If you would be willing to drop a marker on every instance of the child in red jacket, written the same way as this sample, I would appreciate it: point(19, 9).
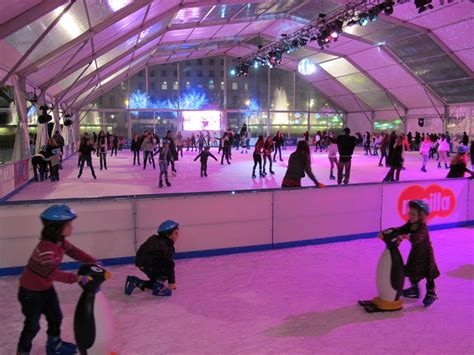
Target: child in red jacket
point(37, 294)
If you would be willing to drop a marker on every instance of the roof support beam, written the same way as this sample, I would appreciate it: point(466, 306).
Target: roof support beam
point(116, 43)
point(35, 44)
point(434, 38)
point(30, 15)
point(117, 16)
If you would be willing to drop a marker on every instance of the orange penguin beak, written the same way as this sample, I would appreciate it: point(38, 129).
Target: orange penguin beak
point(108, 275)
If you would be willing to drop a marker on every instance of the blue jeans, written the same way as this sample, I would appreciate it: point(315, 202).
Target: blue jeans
point(33, 305)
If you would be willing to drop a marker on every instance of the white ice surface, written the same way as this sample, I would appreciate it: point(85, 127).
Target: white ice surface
point(122, 178)
point(289, 301)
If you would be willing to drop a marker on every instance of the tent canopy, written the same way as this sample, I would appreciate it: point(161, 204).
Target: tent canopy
point(75, 51)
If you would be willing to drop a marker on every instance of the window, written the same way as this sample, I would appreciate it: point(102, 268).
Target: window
point(222, 73)
point(187, 74)
point(112, 100)
point(222, 85)
point(175, 85)
point(152, 86)
point(164, 86)
point(175, 73)
point(164, 73)
point(211, 85)
point(141, 87)
point(140, 74)
point(211, 73)
point(152, 74)
point(199, 73)
point(235, 86)
point(246, 86)
point(188, 85)
point(199, 62)
point(222, 61)
point(211, 61)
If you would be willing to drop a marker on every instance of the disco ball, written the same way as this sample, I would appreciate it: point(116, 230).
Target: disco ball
point(306, 67)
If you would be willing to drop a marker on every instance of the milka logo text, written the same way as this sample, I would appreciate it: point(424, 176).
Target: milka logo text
point(441, 201)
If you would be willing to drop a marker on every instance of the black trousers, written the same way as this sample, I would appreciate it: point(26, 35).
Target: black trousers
point(145, 158)
point(33, 305)
point(277, 149)
point(39, 165)
point(225, 154)
point(114, 149)
point(269, 157)
point(153, 275)
point(257, 159)
point(103, 160)
point(136, 156)
point(383, 152)
point(87, 159)
point(203, 167)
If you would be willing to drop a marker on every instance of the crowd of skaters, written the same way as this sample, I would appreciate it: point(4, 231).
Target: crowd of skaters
point(150, 150)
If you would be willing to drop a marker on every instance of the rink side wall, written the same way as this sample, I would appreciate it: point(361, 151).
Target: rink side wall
point(112, 228)
point(15, 176)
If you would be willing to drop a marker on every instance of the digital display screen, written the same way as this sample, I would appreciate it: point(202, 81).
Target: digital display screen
point(201, 120)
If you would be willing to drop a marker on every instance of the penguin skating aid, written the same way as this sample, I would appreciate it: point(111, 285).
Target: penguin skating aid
point(93, 318)
point(389, 277)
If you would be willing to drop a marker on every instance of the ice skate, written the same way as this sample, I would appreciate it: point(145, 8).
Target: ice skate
point(412, 292)
point(131, 283)
point(168, 183)
point(57, 346)
point(424, 169)
point(430, 298)
point(160, 290)
point(161, 184)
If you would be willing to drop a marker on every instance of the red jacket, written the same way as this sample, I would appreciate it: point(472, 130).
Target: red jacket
point(44, 262)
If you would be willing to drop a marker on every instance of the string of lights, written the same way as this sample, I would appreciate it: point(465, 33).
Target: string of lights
point(325, 30)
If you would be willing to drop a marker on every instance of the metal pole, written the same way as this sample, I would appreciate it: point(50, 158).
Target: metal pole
point(36, 43)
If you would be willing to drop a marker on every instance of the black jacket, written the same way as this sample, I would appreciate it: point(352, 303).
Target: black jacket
point(346, 145)
point(136, 145)
point(157, 253)
point(457, 170)
point(204, 155)
point(86, 150)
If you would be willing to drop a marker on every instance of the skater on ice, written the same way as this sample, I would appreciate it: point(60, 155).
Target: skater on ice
point(204, 155)
point(155, 259)
point(421, 262)
point(37, 295)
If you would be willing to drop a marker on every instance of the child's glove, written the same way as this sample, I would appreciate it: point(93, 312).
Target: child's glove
point(83, 280)
point(172, 286)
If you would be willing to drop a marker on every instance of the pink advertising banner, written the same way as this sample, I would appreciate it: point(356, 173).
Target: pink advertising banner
point(447, 200)
point(21, 172)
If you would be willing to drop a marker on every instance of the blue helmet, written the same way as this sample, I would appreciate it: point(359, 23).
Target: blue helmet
point(462, 149)
point(419, 205)
point(58, 213)
point(167, 226)
point(55, 151)
point(43, 147)
point(166, 141)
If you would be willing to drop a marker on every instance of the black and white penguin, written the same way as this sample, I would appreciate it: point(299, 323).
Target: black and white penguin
point(93, 322)
point(390, 276)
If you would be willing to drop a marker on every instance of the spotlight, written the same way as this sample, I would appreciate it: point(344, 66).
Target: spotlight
point(256, 63)
point(363, 20)
point(423, 5)
point(233, 72)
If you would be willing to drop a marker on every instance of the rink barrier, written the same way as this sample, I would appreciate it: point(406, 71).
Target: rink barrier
point(11, 190)
point(221, 223)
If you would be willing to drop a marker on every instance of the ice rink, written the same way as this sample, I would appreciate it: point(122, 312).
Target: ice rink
point(122, 178)
point(288, 301)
